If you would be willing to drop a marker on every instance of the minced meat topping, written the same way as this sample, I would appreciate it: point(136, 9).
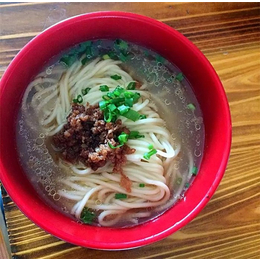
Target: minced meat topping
point(85, 138)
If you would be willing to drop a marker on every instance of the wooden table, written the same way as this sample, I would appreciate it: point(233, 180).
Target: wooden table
point(229, 35)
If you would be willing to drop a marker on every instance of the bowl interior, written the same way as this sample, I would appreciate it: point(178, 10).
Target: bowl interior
point(168, 43)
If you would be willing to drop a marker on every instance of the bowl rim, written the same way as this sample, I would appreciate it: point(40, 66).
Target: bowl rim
point(158, 234)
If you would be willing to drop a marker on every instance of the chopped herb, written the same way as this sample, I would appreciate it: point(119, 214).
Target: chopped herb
point(103, 104)
point(191, 106)
point(123, 57)
point(114, 147)
point(103, 88)
point(187, 185)
point(131, 85)
point(122, 45)
point(120, 196)
point(87, 216)
point(85, 91)
point(122, 138)
point(150, 146)
point(135, 135)
point(115, 77)
point(148, 155)
point(129, 102)
point(123, 109)
point(105, 57)
point(132, 115)
point(194, 170)
point(111, 107)
point(68, 59)
point(79, 99)
point(141, 185)
point(142, 117)
point(118, 91)
point(179, 77)
point(160, 59)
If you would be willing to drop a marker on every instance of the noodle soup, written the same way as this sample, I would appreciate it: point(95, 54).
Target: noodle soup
point(110, 133)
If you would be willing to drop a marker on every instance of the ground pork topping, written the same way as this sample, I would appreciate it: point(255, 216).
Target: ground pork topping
point(86, 137)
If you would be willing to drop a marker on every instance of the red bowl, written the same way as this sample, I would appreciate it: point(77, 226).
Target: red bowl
point(168, 43)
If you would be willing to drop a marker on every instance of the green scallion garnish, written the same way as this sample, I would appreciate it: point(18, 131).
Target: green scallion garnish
point(123, 109)
point(148, 155)
point(187, 185)
point(141, 185)
point(191, 106)
point(135, 135)
point(142, 117)
point(122, 138)
point(120, 196)
point(131, 85)
point(85, 91)
point(115, 77)
point(103, 88)
point(150, 146)
point(87, 216)
point(179, 77)
point(132, 115)
point(105, 57)
point(194, 170)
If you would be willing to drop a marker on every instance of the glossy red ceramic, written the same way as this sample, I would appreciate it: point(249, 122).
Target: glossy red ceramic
point(168, 43)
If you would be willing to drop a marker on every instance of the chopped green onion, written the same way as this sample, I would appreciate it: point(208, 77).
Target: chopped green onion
point(136, 96)
point(191, 106)
point(114, 147)
point(103, 104)
point(141, 185)
point(122, 138)
point(148, 155)
point(179, 77)
point(150, 146)
point(131, 85)
point(142, 117)
point(115, 77)
point(80, 99)
point(118, 91)
point(123, 109)
point(75, 100)
point(108, 116)
point(122, 45)
point(85, 91)
point(135, 135)
point(103, 88)
point(116, 101)
point(105, 57)
point(111, 107)
point(87, 216)
point(187, 185)
point(105, 97)
point(160, 59)
point(68, 59)
point(129, 102)
point(128, 94)
point(123, 57)
point(120, 196)
point(194, 170)
point(132, 115)
point(112, 55)
point(85, 60)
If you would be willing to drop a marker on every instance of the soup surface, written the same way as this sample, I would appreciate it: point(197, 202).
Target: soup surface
point(150, 120)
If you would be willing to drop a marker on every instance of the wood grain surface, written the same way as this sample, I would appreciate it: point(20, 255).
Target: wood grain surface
point(229, 35)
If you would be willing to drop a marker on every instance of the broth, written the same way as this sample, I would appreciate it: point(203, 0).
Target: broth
point(173, 100)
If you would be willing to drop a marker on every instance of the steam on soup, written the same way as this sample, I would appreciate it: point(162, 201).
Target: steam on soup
point(110, 133)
